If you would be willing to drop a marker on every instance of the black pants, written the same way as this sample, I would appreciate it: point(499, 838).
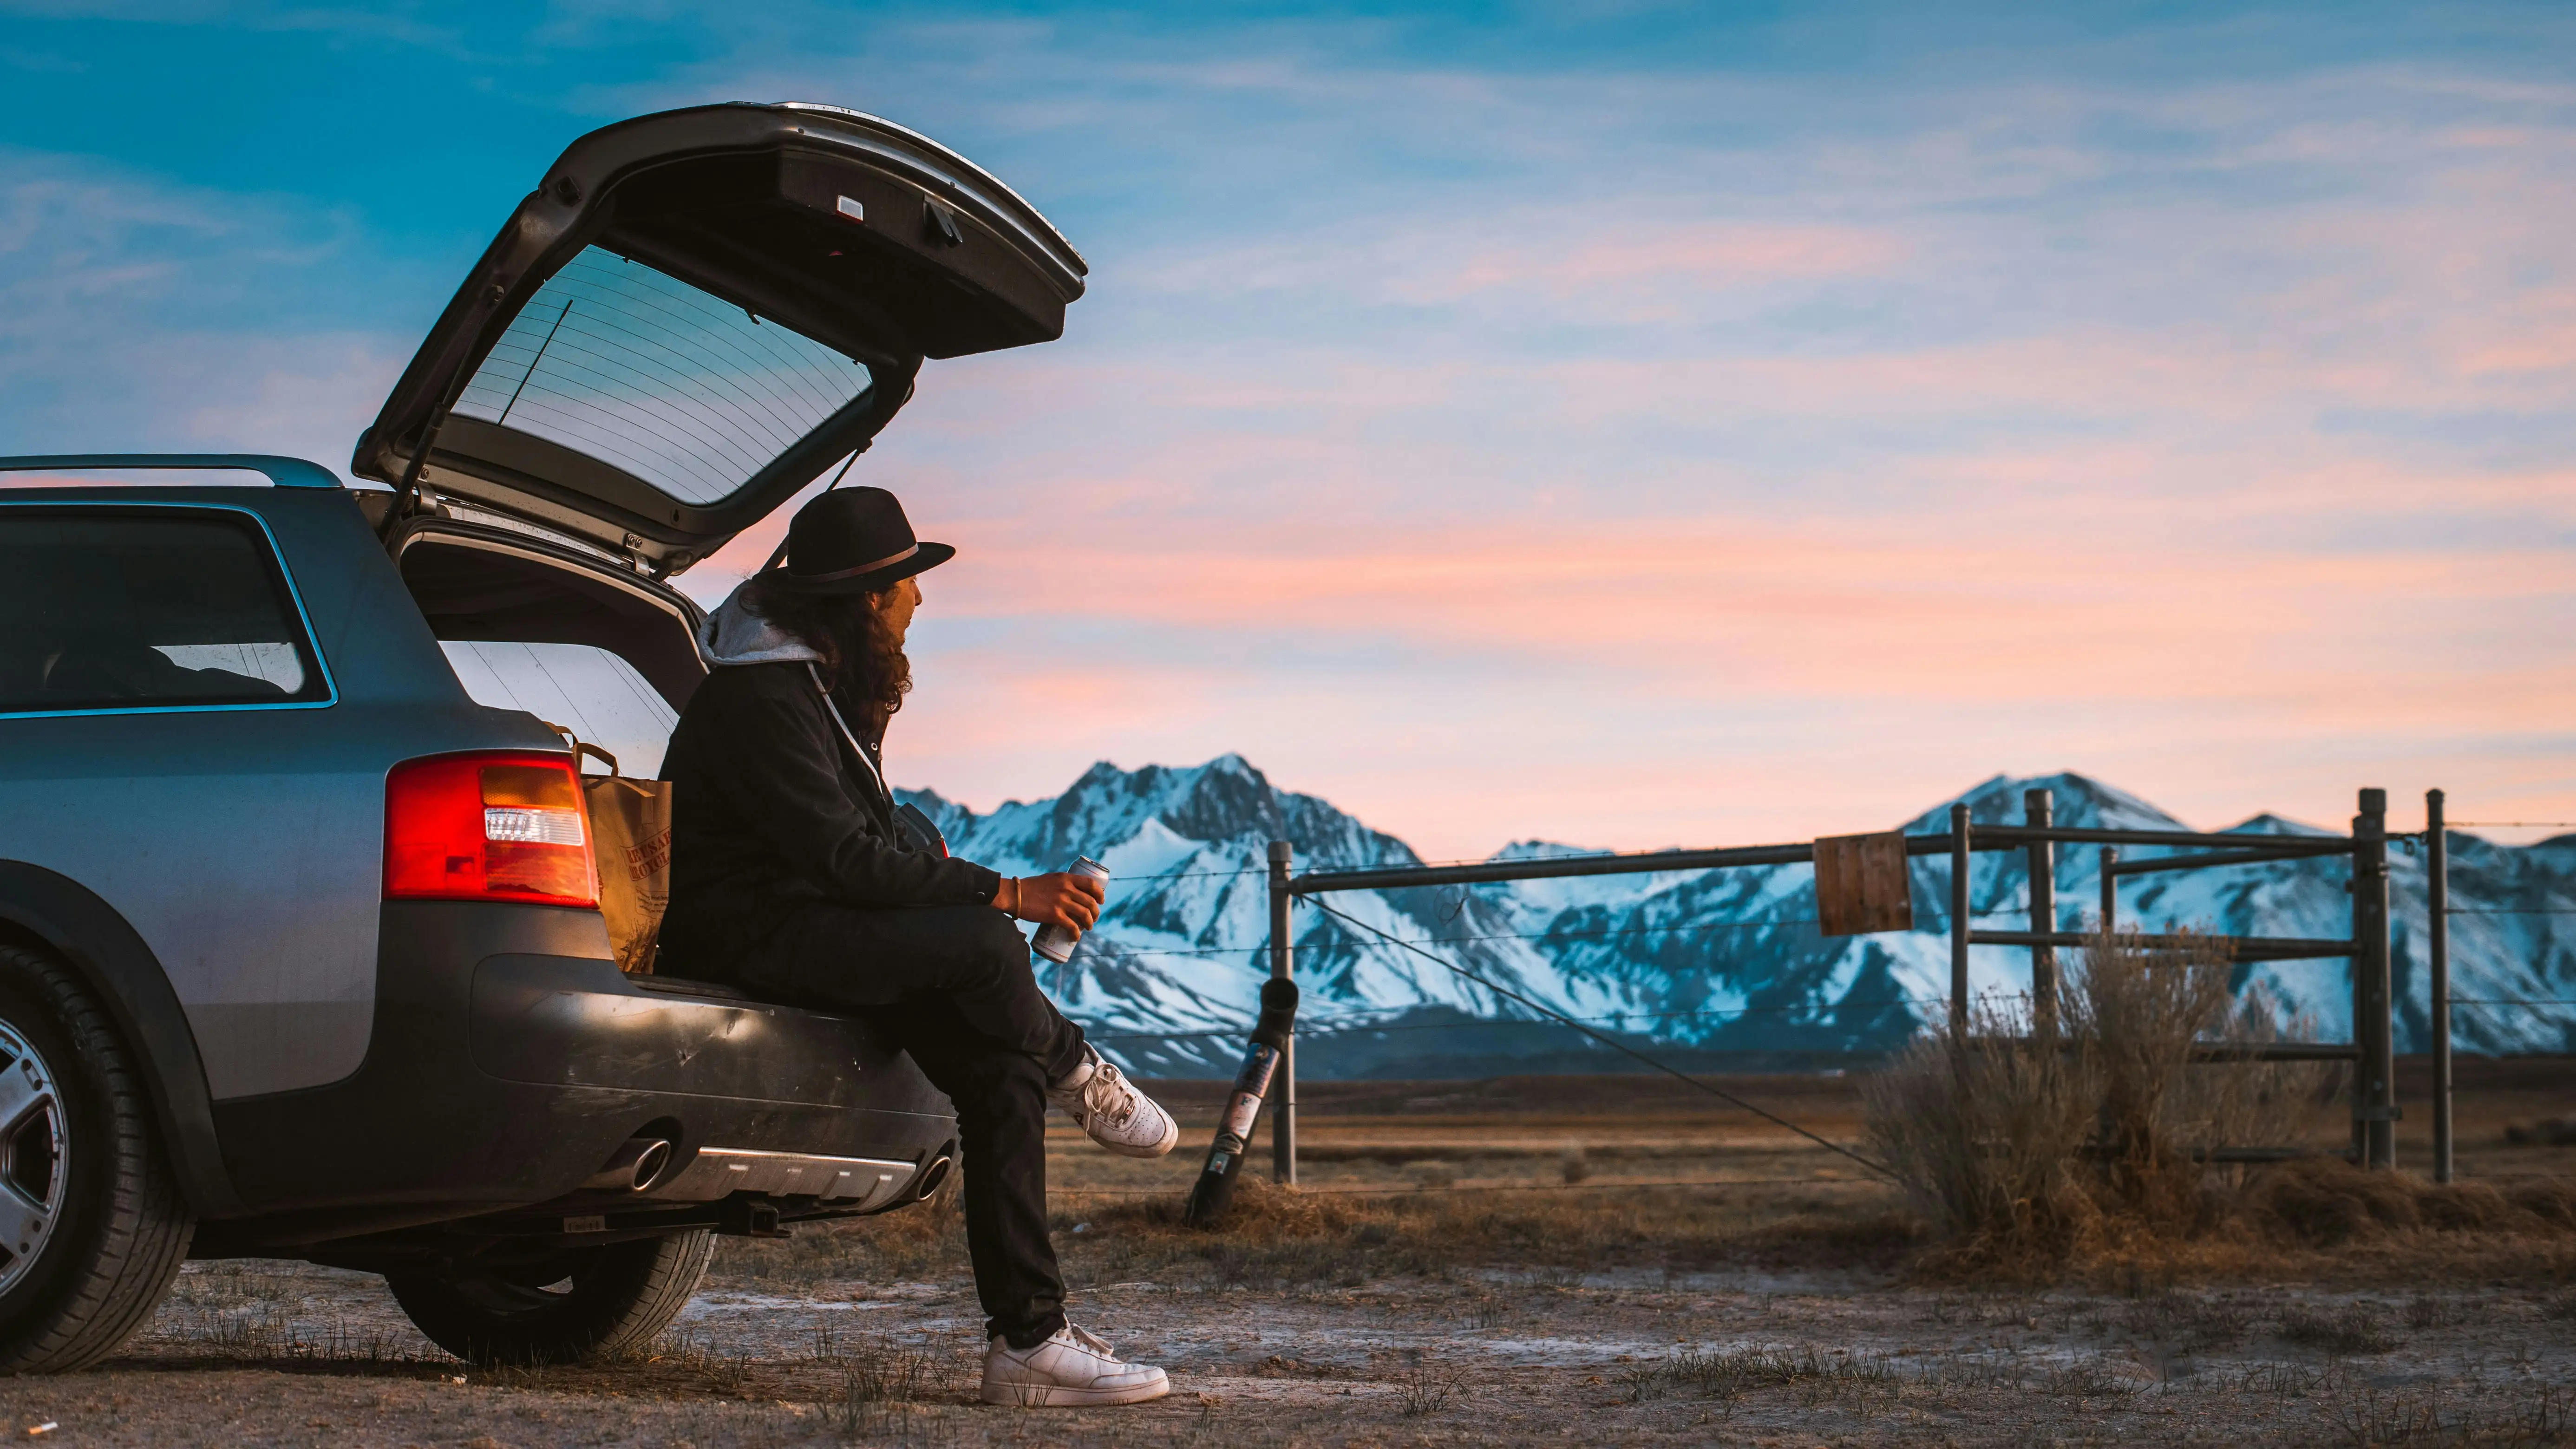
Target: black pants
point(953, 984)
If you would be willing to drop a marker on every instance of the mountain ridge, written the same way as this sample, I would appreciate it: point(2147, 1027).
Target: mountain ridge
point(1725, 961)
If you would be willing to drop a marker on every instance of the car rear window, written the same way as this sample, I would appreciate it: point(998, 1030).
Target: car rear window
point(648, 374)
point(125, 608)
point(584, 688)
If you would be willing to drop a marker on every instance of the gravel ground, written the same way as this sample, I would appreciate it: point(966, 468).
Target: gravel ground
point(279, 1353)
point(1537, 1311)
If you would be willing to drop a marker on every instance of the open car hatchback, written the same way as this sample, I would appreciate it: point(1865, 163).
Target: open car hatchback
point(696, 312)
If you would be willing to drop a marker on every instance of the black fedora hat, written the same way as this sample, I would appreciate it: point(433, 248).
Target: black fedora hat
point(854, 541)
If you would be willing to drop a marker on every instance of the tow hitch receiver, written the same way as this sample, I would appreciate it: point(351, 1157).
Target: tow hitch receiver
point(749, 1217)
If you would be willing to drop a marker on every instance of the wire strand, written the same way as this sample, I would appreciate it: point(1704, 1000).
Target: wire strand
point(1518, 936)
point(1621, 931)
point(1429, 1191)
point(1609, 1041)
point(1333, 1028)
point(1555, 935)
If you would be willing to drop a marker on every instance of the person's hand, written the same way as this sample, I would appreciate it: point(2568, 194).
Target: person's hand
point(1061, 899)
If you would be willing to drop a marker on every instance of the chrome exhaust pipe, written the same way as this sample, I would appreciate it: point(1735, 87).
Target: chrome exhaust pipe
point(931, 1177)
point(633, 1166)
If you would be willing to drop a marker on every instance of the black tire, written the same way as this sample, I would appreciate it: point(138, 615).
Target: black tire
point(592, 1305)
point(92, 1273)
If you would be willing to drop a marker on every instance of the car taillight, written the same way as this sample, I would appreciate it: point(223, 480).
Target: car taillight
point(487, 828)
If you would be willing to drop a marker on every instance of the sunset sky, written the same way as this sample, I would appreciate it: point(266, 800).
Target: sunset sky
point(1621, 424)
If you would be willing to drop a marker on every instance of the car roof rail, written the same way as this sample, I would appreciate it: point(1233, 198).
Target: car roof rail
point(281, 471)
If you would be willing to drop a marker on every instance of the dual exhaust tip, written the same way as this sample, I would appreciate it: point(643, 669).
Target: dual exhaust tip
point(932, 1176)
point(639, 1160)
point(633, 1166)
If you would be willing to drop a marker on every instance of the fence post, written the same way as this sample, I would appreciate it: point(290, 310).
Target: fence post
point(2039, 811)
point(1959, 859)
point(1283, 1115)
point(2437, 910)
point(2110, 890)
point(2374, 1086)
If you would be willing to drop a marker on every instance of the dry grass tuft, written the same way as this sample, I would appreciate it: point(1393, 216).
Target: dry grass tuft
point(1984, 1134)
point(2041, 1138)
point(2351, 1328)
point(2552, 1200)
point(1279, 1237)
point(2327, 1203)
point(2528, 1415)
point(2033, 1149)
point(1860, 1382)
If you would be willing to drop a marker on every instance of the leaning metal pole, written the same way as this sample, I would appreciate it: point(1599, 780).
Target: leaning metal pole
point(2039, 811)
point(2437, 910)
point(2374, 1087)
point(1959, 881)
point(1283, 1118)
point(1261, 1056)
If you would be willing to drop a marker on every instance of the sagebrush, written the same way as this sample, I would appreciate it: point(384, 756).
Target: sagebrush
point(2048, 1126)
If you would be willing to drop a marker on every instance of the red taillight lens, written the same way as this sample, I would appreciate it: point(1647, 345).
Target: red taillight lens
point(487, 828)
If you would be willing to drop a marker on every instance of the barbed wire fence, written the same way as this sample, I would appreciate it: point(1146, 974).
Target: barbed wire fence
point(2373, 1118)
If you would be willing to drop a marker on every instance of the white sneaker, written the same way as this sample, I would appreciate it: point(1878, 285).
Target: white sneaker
point(1100, 1099)
point(1072, 1369)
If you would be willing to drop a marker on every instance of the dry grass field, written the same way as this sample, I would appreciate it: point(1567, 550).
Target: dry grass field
point(1541, 1260)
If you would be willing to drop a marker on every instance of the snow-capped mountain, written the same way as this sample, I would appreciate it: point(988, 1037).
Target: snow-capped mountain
point(1697, 961)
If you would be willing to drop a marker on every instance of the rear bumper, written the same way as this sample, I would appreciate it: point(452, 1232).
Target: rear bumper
point(509, 1061)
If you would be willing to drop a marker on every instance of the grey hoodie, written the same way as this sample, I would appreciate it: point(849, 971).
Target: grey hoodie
point(733, 634)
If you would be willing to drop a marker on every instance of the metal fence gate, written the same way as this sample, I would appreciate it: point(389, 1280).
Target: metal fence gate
point(2372, 1050)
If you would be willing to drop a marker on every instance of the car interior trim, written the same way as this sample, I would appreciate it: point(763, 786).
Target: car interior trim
point(666, 658)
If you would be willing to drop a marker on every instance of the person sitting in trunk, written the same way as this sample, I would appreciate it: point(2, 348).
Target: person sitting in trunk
point(791, 878)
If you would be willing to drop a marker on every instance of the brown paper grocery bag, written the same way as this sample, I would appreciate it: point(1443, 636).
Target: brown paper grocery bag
point(630, 839)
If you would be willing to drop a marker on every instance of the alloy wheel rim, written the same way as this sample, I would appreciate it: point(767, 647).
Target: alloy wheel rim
point(35, 1155)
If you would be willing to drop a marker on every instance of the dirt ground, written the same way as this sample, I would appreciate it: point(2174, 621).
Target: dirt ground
point(1537, 1261)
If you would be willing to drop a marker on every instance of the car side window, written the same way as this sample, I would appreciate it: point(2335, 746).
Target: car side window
point(122, 608)
point(584, 688)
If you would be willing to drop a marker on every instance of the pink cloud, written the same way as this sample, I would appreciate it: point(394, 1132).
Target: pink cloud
point(1581, 265)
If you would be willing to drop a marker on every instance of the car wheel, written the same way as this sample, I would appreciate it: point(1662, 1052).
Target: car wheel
point(590, 1305)
point(92, 1226)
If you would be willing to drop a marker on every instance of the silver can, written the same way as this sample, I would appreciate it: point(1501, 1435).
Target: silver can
point(1054, 942)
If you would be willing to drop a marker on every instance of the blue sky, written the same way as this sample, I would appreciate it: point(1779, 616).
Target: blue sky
point(1617, 423)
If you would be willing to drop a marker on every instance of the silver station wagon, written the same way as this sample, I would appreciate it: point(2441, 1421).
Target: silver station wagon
point(300, 949)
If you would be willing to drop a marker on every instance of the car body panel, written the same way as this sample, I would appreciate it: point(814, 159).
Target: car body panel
point(576, 1022)
point(55, 913)
point(428, 1131)
point(253, 885)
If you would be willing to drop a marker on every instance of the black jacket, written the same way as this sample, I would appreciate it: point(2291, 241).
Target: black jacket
point(770, 810)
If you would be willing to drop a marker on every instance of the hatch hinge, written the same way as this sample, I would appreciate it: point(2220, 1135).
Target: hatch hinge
point(407, 493)
point(939, 223)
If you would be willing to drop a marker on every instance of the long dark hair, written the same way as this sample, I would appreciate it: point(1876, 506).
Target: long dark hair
point(862, 658)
